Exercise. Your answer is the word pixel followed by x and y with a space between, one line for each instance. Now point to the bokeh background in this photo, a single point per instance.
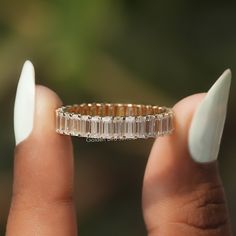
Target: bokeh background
pixel 116 51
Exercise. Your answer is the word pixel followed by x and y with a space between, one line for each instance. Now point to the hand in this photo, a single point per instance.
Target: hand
pixel 180 196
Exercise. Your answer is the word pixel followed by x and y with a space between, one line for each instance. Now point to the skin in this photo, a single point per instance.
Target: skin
pixel 180 197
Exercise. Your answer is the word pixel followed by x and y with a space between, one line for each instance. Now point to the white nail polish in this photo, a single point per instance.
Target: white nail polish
pixel 208 121
pixel 24 103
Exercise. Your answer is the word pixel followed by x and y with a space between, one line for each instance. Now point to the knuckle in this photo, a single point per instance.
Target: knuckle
pixel 28 202
pixel 206 211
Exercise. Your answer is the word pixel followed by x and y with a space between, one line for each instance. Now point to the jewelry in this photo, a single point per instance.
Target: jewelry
pixel 114 120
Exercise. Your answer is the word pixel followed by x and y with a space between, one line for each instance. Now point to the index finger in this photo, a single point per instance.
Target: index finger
pixel 42 201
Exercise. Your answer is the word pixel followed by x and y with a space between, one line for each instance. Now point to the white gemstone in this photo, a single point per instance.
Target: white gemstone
pixel 170 123
pixel 57 121
pixel 164 124
pixel 150 126
pixel 107 127
pixel 153 124
pixel 156 126
pixel 84 126
pixel 75 125
pixel 130 127
pixel 70 124
pixel 62 123
pixel 67 124
pixel 140 126
pixel 95 127
pixel 159 125
pixel 118 124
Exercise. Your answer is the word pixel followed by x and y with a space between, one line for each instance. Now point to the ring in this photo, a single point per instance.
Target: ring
pixel 114 120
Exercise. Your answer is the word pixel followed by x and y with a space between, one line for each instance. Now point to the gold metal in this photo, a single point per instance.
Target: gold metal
pixel 115 109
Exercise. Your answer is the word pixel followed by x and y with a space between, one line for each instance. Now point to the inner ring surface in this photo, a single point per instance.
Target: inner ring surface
pixel 115 109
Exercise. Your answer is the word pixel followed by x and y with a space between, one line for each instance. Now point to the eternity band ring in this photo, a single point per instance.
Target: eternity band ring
pixel 114 121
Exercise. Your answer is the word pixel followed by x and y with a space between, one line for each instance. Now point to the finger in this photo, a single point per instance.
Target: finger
pixel 181 196
pixel 42 201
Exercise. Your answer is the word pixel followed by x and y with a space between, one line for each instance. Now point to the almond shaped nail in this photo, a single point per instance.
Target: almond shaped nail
pixel 24 103
pixel 208 121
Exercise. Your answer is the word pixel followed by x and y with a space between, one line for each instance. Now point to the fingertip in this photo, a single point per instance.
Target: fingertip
pixel 169 148
pixel 46 102
pixel 184 111
pixel 186 106
pixel 46 98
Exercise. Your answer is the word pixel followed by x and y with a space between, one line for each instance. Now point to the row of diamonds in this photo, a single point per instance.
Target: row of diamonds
pixel 114 127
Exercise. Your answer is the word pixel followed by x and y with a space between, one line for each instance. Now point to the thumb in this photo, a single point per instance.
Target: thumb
pixel 182 191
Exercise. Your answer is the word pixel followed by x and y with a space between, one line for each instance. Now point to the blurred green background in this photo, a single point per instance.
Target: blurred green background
pixel 116 51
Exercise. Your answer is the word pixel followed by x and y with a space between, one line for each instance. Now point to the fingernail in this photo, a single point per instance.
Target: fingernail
pixel 208 121
pixel 24 103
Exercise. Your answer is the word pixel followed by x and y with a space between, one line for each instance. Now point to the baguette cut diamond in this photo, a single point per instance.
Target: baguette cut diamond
pixel 58 121
pixel 67 123
pixel 96 127
pixel 114 121
pixel 130 127
pixel 85 125
pixel 75 129
pixel 118 123
pixel 170 123
pixel 165 124
pixel 150 125
pixel 107 127
pixel 62 122
pixel 140 126
pixel 159 125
